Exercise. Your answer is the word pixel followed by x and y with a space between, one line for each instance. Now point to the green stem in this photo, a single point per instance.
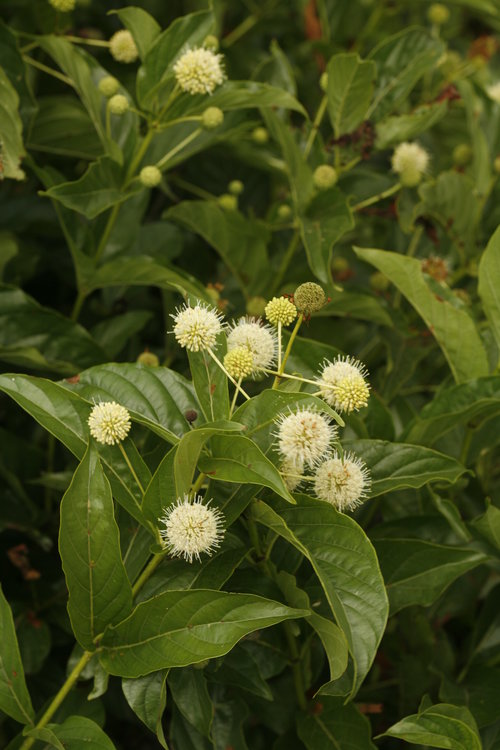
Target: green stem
pixel 378 197
pixel 199 482
pixel 147 572
pixel 287 259
pixel 61 695
pixel 469 434
pixel 107 231
pixel 233 381
pixel 279 345
pixel 49 71
pixel 132 471
pixel 194 189
pixel 315 126
pixel 412 249
pixel 179 147
pixel 233 402
pixel 288 350
pixel 243 28
pixel 88 42
pixel 80 299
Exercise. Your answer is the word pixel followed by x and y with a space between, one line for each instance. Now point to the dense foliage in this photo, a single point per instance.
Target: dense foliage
pixel 228 534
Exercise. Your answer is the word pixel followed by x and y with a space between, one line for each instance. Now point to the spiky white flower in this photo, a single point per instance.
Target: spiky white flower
pixel 304 437
pixel 191 527
pixel 291 474
pixel 342 384
pixel 493 91
pixel 109 422
pixel 196 328
pixel 281 310
pixel 258 338
pixel 343 482
pixel 410 157
pixel 199 71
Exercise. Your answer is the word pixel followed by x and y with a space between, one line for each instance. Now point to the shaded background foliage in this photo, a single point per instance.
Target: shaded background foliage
pixel 422 312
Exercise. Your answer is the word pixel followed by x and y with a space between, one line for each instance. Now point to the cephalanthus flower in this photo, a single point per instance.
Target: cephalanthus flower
pixel 304 437
pixel 343 482
pixel 199 71
pixel 196 328
pixel 191 527
pixel 239 362
pixel 109 422
pixel 410 161
pixel 123 47
pixel 258 338
pixel 343 385
pixel 280 310
pixel 493 91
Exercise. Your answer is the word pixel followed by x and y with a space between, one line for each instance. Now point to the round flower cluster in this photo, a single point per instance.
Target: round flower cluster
pixel 150 176
pixel 280 310
pixel 109 422
pixel 258 338
pixel 304 437
pixel 239 362
pixel 108 86
pixel 199 71
pixel 191 527
pixel 493 91
pixel 63 6
pixel 309 297
pixel 410 161
pixel 118 104
pixel 123 47
pixel 343 385
pixel 343 482
pixel 196 328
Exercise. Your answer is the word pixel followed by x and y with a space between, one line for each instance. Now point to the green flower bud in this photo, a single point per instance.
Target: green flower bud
pixel 339 264
pixel 309 297
pixel 236 187
pixel 324 177
pixel 149 359
pixel 438 14
pixel 108 86
pixel 212 117
pixel 118 104
pixel 211 42
pixel 228 202
pixel 256 306
pixel 323 82
pixel 150 176
pixel 260 135
pixel 284 211
pixel 379 282
pixel 63 6
pixel 123 47
pixel 410 177
pixel 462 154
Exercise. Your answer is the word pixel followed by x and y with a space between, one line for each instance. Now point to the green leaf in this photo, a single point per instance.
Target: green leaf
pixel 396 465
pixel 401 60
pixel 489 283
pixel 350 88
pixel 399 128
pixel 479 691
pixel 142 26
pixel 488 525
pixel 357 306
pixel 453 200
pixel 161 491
pixel 190 693
pixel 417 572
pixel 334 725
pixel 453 329
pixel 189 449
pixel 37 337
pixel 453 406
pixel 178 628
pixel 325 220
pixel 239 669
pixel 100 188
pixel 210 382
pixel 155 396
pixel 330 541
pixel 238 459
pixel 75 733
pixel 147 697
pixel 113 334
pixel 11 131
pixel 89 544
pixel 64 414
pixel 63 127
pixel 155 79
pixel 240 242
pixel 14 697
pixel 442 725
pixel 145 271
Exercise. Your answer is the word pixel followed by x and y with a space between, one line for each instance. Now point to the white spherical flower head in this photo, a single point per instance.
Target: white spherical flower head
pixel 258 338
pixel 410 157
pixel 123 47
pixel 109 422
pixel 191 527
pixel 196 328
pixel 343 384
pixel 291 473
pixel 199 71
pixel 304 437
pixel 493 91
pixel 343 482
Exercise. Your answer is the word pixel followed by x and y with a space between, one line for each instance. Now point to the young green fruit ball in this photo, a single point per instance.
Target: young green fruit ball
pixel 324 177
pixel 438 14
pixel 118 104
pixel 150 176
pixel 63 6
pixel 309 298
pixel 149 359
pixel 212 117
pixel 236 187
pixel 462 154
pixel 108 86
pixel 260 135
pixel 228 202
